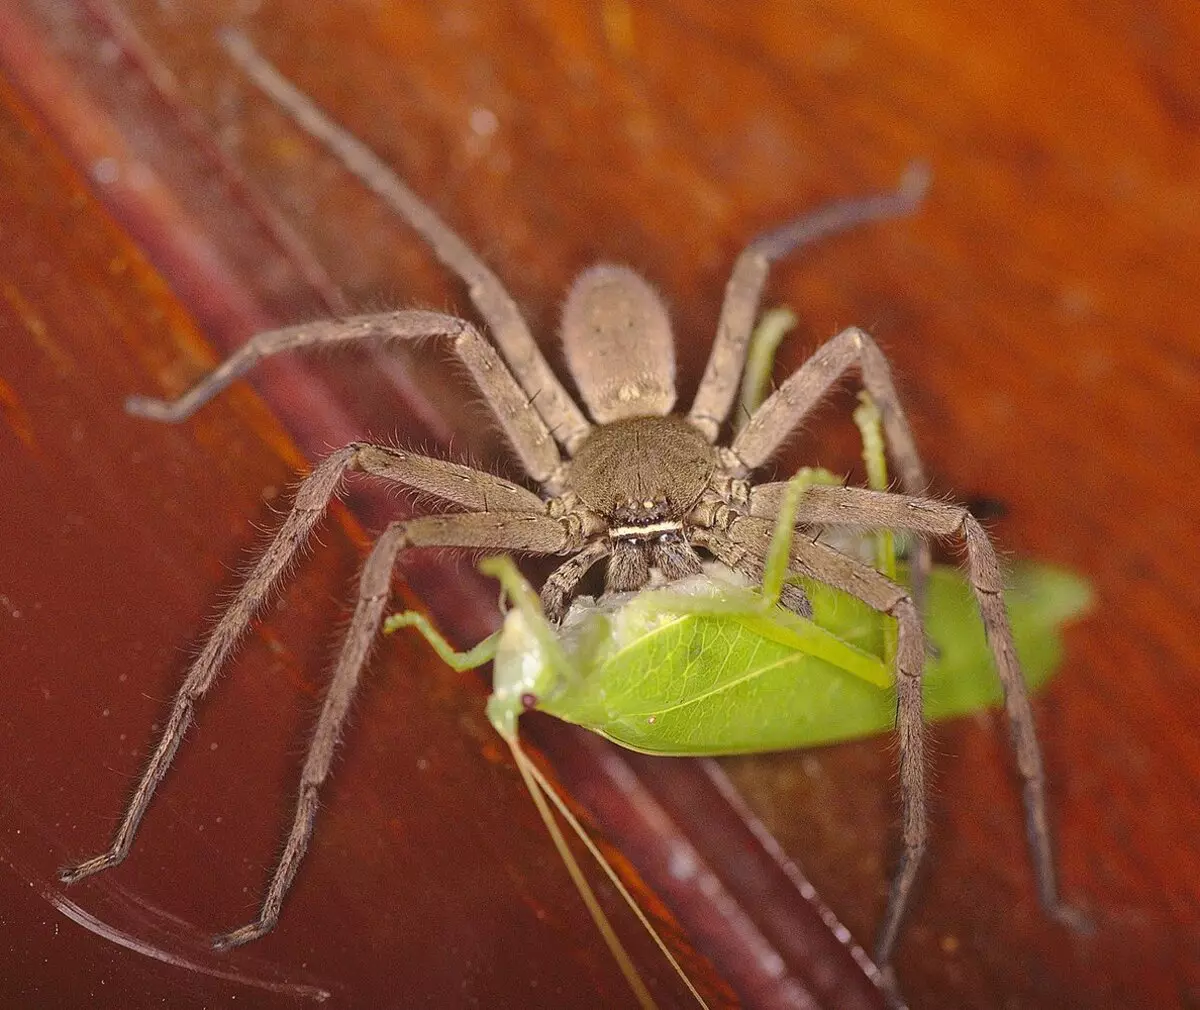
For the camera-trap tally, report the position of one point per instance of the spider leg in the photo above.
(542, 389)
(560, 584)
(792, 402)
(526, 431)
(448, 482)
(513, 531)
(743, 291)
(853, 506)
(749, 537)
(752, 566)
(470, 489)
(311, 500)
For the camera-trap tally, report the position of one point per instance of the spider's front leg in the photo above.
(864, 508)
(311, 501)
(504, 516)
(743, 545)
(530, 532)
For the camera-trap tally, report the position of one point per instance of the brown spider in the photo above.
(638, 485)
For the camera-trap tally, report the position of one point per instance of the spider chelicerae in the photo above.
(631, 483)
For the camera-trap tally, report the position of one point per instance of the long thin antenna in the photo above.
(540, 788)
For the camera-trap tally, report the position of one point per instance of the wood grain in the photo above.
(1041, 313)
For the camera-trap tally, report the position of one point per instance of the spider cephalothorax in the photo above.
(635, 484)
(641, 486)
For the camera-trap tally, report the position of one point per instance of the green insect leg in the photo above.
(469, 659)
(870, 424)
(774, 325)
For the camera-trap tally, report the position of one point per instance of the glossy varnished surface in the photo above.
(1040, 316)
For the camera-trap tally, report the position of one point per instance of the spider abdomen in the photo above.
(616, 338)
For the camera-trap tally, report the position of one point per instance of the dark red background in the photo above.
(1040, 312)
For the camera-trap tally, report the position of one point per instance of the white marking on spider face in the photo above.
(648, 530)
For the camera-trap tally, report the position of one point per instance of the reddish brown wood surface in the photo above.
(1041, 314)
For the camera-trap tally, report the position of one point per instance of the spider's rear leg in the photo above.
(743, 292)
(526, 431)
(542, 389)
(860, 507)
